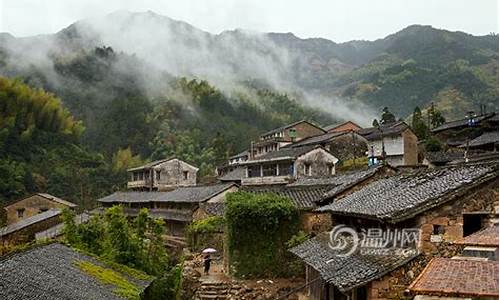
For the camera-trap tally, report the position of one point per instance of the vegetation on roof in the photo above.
(123, 287)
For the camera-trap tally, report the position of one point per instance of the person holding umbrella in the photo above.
(207, 260)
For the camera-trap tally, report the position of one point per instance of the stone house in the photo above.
(25, 230)
(277, 138)
(55, 272)
(285, 165)
(396, 139)
(342, 144)
(162, 175)
(176, 207)
(443, 204)
(29, 206)
(343, 127)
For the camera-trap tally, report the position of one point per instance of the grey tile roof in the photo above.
(441, 157)
(337, 183)
(157, 162)
(400, 197)
(46, 196)
(57, 230)
(304, 197)
(183, 194)
(347, 272)
(29, 221)
(234, 175)
(374, 133)
(463, 122)
(288, 126)
(484, 139)
(244, 153)
(50, 272)
(318, 139)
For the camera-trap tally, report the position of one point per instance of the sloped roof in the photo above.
(46, 196)
(302, 197)
(290, 125)
(452, 277)
(163, 213)
(29, 221)
(335, 126)
(57, 230)
(157, 162)
(347, 272)
(484, 139)
(182, 194)
(441, 157)
(462, 122)
(391, 129)
(244, 153)
(234, 175)
(400, 197)
(319, 139)
(485, 237)
(51, 272)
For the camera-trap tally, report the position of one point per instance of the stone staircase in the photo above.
(213, 290)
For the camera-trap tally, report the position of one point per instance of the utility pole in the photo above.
(471, 122)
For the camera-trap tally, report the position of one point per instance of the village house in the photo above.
(343, 145)
(277, 138)
(456, 133)
(29, 206)
(54, 272)
(287, 164)
(162, 175)
(25, 230)
(394, 142)
(444, 204)
(343, 127)
(176, 207)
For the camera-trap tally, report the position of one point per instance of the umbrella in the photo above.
(209, 250)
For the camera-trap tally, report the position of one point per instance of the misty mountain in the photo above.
(415, 66)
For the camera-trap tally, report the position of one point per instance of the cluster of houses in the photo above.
(449, 197)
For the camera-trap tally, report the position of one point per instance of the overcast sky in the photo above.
(338, 20)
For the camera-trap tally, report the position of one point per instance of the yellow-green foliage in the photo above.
(123, 287)
(356, 163)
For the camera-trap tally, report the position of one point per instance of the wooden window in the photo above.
(331, 170)
(20, 212)
(285, 169)
(186, 175)
(307, 169)
(269, 170)
(158, 175)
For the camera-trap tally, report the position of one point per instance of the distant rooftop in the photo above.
(486, 237)
(157, 162)
(391, 129)
(48, 197)
(464, 122)
(279, 129)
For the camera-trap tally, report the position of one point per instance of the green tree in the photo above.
(418, 124)
(387, 116)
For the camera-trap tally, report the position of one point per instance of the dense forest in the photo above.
(121, 125)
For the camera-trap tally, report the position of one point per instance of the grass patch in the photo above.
(124, 288)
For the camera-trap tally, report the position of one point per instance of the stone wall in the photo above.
(410, 148)
(348, 145)
(319, 161)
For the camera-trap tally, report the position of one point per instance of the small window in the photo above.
(331, 170)
(186, 175)
(307, 169)
(43, 209)
(20, 212)
(292, 133)
(158, 175)
(437, 229)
